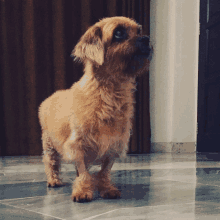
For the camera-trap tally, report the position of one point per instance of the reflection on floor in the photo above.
(153, 186)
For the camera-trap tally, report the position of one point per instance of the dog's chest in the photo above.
(111, 133)
(109, 141)
(114, 122)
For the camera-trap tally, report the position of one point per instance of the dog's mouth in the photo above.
(146, 54)
(139, 61)
(143, 51)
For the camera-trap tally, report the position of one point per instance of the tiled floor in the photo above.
(154, 186)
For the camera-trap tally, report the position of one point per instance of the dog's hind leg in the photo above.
(51, 161)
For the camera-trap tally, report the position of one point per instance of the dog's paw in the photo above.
(82, 196)
(55, 183)
(111, 194)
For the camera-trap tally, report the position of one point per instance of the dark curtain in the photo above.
(36, 40)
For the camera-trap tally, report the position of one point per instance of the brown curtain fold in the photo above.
(58, 44)
(29, 76)
(36, 40)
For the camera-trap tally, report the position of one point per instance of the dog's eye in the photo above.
(119, 34)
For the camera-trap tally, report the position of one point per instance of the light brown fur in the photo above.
(90, 123)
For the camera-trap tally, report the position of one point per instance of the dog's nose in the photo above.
(142, 44)
(143, 40)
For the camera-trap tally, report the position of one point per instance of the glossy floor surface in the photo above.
(153, 186)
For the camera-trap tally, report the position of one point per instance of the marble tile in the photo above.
(11, 212)
(153, 186)
(189, 211)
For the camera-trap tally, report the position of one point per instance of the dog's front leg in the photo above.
(83, 187)
(105, 187)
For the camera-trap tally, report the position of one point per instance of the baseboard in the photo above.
(173, 147)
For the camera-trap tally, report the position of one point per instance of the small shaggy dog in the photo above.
(90, 123)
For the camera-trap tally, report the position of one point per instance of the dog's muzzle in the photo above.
(143, 47)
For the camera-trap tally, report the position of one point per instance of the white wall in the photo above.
(174, 35)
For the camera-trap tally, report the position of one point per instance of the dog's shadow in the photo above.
(130, 189)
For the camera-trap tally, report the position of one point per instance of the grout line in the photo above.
(15, 199)
(34, 212)
(92, 217)
(159, 178)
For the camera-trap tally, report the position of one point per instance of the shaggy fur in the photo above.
(90, 123)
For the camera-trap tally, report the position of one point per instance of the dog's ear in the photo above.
(90, 46)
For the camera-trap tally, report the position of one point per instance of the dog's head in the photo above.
(114, 46)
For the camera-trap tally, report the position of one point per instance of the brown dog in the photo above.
(90, 123)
